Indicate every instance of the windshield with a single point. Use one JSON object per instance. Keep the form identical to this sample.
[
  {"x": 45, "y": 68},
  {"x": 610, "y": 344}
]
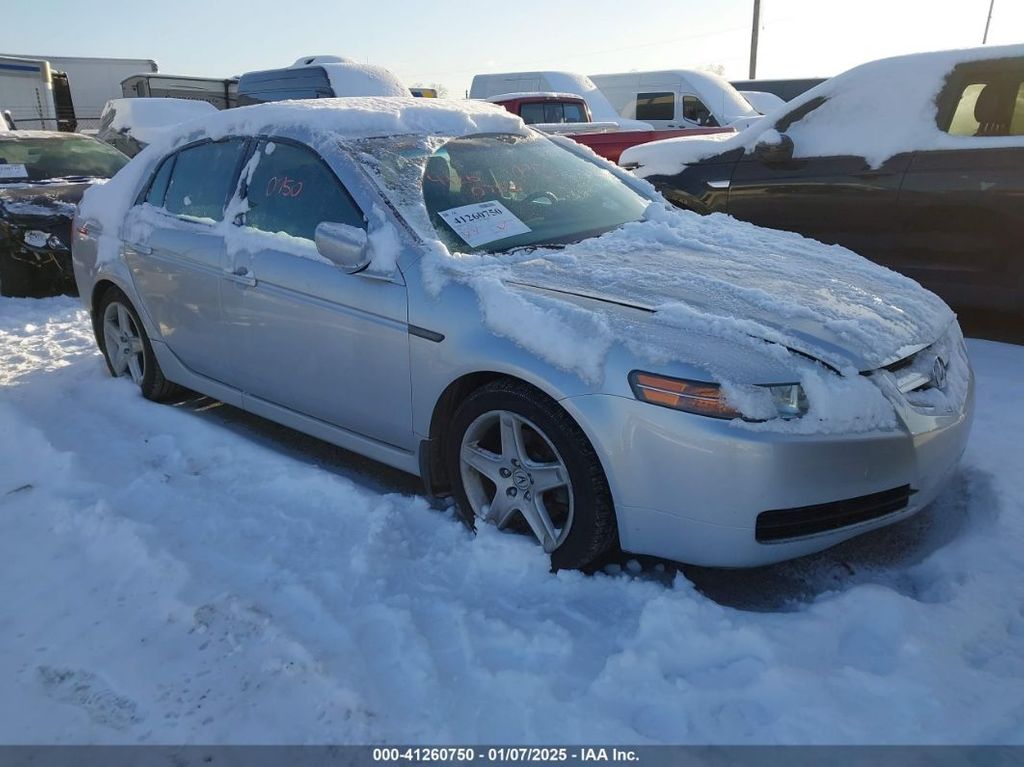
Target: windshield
[
  {"x": 492, "y": 193},
  {"x": 50, "y": 157}
]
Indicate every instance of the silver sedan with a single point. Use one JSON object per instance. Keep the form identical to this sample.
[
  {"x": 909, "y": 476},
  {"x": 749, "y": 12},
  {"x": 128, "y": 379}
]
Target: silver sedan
[{"x": 528, "y": 329}]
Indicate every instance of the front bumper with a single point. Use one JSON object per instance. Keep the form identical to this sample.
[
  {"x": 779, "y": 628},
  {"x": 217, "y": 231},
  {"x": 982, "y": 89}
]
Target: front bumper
[{"x": 690, "y": 488}]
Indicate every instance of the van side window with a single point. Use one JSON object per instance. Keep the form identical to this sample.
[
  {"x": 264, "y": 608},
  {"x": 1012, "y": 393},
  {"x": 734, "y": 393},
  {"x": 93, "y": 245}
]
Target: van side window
[
  {"x": 655, "y": 106},
  {"x": 202, "y": 179},
  {"x": 158, "y": 188},
  {"x": 694, "y": 111},
  {"x": 292, "y": 190}
]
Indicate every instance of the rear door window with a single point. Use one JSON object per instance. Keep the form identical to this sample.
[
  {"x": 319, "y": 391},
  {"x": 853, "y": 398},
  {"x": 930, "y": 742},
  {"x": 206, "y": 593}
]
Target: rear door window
[
  {"x": 1017, "y": 121},
  {"x": 656, "y": 106},
  {"x": 203, "y": 178},
  {"x": 292, "y": 191},
  {"x": 158, "y": 189},
  {"x": 989, "y": 104}
]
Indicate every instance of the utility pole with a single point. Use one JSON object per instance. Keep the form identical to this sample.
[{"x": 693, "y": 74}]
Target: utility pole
[
  {"x": 988, "y": 21},
  {"x": 753, "y": 38}
]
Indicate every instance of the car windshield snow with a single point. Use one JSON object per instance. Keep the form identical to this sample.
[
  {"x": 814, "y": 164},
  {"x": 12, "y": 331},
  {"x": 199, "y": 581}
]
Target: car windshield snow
[
  {"x": 42, "y": 158},
  {"x": 492, "y": 193}
]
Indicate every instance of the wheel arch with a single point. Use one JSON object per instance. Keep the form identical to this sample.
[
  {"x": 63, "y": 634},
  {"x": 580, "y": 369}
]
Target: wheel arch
[
  {"x": 99, "y": 289},
  {"x": 431, "y": 459}
]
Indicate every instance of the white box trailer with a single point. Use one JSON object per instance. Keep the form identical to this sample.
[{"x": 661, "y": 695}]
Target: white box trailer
[
  {"x": 94, "y": 81},
  {"x": 26, "y": 92}
]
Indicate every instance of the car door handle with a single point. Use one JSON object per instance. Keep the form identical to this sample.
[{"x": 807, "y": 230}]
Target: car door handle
[
  {"x": 140, "y": 248},
  {"x": 241, "y": 275}
]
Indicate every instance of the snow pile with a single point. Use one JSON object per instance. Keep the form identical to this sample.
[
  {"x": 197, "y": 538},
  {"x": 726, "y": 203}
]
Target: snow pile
[
  {"x": 352, "y": 79},
  {"x": 874, "y": 111},
  {"x": 191, "y": 574},
  {"x": 146, "y": 119}
]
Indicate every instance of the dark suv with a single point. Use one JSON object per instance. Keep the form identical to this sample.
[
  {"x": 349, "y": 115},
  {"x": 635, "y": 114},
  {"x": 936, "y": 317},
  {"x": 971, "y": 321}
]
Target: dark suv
[{"x": 915, "y": 162}]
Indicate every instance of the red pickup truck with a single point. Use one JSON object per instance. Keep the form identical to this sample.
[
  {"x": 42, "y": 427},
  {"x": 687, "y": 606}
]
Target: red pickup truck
[{"x": 568, "y": 115}]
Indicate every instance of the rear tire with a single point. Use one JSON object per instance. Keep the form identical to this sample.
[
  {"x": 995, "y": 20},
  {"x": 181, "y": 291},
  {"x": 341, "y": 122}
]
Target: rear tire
[
  {"x": 126, "y": 348},
  {"x": 518, "y": 460}
]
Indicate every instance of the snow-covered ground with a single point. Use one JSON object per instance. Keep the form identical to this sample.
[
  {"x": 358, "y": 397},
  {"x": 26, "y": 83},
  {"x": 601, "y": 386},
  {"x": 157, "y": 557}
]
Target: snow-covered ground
[{"x": 191, "y": 574}]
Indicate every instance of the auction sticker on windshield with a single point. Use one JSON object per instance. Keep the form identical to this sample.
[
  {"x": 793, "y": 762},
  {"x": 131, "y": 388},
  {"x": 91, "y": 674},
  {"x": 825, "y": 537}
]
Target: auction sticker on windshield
[
  {"x": 483, "y": 222},
  {"x": 13, "y": 170}
]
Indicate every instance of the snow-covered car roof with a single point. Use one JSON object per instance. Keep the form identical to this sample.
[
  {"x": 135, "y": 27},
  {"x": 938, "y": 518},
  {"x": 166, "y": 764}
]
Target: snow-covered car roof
[
  {"x": 896, "y": 95},
  {"x": 340, "y": 118},
  {"x": 535, "y": 95},
  {"x": 155, "y": 112},
  {"x": 145, "y": 119},
  {"x": 357, "y": 117}
]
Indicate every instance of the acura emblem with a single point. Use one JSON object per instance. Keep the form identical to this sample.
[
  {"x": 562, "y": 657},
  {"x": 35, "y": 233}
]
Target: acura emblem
[{"x": 939, "y": 373}]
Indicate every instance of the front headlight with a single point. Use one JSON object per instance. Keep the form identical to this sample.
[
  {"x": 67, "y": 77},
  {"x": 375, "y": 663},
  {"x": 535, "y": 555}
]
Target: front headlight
[{"x": 709, "y": 399}]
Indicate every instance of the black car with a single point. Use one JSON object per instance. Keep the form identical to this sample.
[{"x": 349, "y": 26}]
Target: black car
[
  {"x": 915, "y": 162},
  {"x": 43, "y": 175}
]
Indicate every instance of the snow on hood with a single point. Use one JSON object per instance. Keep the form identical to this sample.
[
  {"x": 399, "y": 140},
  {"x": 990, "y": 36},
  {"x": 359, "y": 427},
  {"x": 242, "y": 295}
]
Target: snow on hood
[
  {"x": 42, "y": 200},
  {"x": 709, "y": 291},
  {"x": 824, "y": 301},
  {"x": 875, "y": 111}
]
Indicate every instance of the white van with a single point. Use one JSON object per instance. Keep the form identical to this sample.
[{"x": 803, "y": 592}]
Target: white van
[
  {"x": 676, "y": 98},
  {"x": 601, "y": 110}
]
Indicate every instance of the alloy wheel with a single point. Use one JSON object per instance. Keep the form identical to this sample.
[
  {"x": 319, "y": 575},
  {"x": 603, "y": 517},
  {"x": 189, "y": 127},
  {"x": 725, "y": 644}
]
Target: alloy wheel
[
  {"x": 513, "y": 475},
  {"x": 123, "y": 342}
]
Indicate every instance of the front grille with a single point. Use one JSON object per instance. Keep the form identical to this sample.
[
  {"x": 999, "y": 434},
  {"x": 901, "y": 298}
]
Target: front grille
[{"x": 799, "y": 522}]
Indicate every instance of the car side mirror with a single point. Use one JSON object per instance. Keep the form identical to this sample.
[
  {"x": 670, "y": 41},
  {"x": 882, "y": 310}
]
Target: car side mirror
[
  {"x": 344, "y": 245},
  {"x": 778, "y": 150}
]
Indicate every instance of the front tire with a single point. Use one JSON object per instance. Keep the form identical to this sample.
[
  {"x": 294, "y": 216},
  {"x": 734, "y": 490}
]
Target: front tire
[
  {"x": 126, "y": 347},
  {"x": 519, "y": 461}
]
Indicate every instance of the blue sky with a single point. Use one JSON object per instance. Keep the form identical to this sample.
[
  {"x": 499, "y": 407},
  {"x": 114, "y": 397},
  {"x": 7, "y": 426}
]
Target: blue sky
[{"x": 447, "y": 41}]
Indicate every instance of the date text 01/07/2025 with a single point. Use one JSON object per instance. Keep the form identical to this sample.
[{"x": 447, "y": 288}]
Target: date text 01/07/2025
[{"x": 502, "y": 754}]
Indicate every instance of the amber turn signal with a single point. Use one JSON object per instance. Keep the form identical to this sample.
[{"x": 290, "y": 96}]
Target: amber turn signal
[{"x": 679, "y": 394}]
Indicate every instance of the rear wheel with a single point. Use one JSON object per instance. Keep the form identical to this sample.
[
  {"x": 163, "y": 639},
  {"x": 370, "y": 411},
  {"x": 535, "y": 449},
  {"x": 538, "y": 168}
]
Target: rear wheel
[
  {"x": 518, "y": 461},
  {"x": 126, "y": 347}
]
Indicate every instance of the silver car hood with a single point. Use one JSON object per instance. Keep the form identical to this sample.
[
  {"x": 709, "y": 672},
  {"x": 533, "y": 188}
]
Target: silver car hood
[{"x": 821, "y": 301}]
